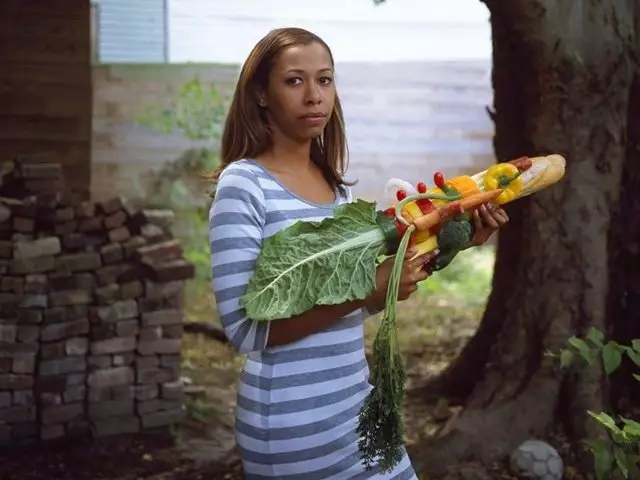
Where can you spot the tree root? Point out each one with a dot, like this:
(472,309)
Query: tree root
(206,329)
(486,434)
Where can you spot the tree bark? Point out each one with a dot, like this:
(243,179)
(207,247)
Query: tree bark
(624,247)
(562,76)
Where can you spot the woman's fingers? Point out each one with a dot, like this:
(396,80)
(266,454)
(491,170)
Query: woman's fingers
(501,216)
(420,260)
(477,221)
(487,217)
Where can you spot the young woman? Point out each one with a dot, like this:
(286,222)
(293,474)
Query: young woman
(283,159)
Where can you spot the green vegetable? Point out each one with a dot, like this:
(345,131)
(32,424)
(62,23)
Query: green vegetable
(454,236)
(319,263)
(380,420)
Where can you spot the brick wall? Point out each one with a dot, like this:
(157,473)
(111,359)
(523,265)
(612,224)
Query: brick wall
(403,120)
(45,83)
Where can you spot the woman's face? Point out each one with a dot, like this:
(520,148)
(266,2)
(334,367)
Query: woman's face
(301,92)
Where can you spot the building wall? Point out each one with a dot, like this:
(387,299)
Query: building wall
(46,83)
(131,31)
(407,121)
(356,30)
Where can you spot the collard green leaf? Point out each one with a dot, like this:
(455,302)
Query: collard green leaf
(316,263)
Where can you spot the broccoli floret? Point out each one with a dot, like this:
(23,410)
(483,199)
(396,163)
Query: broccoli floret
(453,237)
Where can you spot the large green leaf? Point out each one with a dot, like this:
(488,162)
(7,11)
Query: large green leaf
(316,263)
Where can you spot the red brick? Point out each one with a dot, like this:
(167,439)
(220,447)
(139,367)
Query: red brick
(37,248)
(172,270)
(24,225)
(66,228)
(23,266)
(5,213)
(85,209)
(90,224)
(78,262)
(115,220)
(118,235)
(112,205)
(159,252)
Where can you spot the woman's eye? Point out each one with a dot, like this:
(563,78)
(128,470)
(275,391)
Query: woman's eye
(294,81)
(326,80)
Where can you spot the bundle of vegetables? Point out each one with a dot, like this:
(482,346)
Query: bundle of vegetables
(334,261)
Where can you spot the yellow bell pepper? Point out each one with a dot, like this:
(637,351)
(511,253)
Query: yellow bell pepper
(507,177)
(423,241)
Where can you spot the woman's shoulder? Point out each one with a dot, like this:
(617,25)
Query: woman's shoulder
(239,169)
(239,181)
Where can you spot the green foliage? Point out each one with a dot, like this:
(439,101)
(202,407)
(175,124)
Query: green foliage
(316,263)
(466,280)
(618,455)
(196,111)
(380,426)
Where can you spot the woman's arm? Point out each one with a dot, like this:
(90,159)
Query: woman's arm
(236,221)
(289,330)
(235,231)
(297,327)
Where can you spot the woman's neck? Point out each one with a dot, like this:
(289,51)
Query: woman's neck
(288,153)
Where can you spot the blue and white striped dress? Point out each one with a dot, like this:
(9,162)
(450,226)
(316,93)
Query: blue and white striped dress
(298,404)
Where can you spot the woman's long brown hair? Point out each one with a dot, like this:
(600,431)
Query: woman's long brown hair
(246,133)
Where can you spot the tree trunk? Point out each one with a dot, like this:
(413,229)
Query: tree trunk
(624,248)
(562,76)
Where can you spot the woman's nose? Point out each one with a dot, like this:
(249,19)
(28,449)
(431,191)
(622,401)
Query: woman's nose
(313,94)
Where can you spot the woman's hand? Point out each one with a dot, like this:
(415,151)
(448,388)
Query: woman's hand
(488,219)
(412,273)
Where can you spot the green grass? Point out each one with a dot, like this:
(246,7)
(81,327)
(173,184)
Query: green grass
(467,278)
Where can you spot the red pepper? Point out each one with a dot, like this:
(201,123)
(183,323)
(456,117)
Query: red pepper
(401,195)
(438,179)
(452,209)
(401,227)
(391,212)
(424,203)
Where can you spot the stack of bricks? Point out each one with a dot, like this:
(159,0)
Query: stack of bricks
(90,313)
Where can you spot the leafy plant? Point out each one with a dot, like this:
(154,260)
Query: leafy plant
(618,456)
(318,263)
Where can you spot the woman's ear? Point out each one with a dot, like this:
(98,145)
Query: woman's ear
(261,97)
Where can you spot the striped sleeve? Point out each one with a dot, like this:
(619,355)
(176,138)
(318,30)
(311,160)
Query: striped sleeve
(236,220)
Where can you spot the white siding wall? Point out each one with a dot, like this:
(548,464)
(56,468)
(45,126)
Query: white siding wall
(356,30)
(132,31)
